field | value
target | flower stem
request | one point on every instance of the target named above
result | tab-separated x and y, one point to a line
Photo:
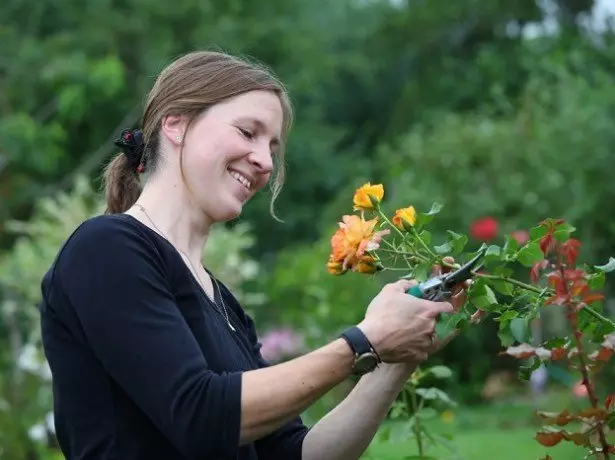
420	240
412	408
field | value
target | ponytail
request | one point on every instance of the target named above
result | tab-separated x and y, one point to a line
121	177
122	185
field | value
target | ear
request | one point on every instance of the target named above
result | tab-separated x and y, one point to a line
174	128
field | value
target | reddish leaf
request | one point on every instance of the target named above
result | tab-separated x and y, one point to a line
525	350
555	418
536	268
556	281
609	401
558	353
591	298
579	287
596	414
604	354
570	250
549	439
557	300
547	243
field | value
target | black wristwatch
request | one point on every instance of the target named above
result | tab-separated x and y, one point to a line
366	359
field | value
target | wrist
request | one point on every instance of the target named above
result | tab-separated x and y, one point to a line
372	334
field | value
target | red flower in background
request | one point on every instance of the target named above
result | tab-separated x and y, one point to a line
521	236
484	229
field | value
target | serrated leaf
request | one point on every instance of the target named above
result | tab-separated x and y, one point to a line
502	287
530	254
483	297
608	267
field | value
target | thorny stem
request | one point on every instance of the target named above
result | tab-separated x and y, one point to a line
412	407
591	394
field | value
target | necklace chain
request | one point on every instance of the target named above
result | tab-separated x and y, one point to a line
215	285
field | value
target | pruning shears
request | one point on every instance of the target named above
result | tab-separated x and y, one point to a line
440	287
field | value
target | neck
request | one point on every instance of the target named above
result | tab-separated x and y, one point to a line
170	210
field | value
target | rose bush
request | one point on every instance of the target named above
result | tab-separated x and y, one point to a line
558	280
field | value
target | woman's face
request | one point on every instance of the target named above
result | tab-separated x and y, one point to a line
228	152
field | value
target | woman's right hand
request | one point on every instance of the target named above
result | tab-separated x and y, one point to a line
399	326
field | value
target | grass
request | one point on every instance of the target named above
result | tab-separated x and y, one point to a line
503	431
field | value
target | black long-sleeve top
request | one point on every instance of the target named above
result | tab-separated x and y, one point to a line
144	367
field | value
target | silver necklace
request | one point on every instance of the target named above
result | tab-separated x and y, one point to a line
196	273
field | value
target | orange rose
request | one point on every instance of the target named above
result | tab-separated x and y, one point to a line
368	196
368	265
352	240
405	218
334	267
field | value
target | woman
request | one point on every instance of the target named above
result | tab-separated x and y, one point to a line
152	357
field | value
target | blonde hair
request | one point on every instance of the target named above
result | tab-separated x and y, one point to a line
189	86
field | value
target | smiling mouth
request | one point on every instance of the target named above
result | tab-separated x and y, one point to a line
240	178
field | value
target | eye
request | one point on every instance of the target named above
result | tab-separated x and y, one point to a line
245	133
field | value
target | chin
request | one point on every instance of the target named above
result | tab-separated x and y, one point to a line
227	213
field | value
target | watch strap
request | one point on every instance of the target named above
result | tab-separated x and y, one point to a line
358	341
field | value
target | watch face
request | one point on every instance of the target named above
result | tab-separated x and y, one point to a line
365	363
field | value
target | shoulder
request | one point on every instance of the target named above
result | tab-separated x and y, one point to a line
107	241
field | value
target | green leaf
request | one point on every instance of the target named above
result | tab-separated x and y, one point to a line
440	372
426	413
608	267
510	248
563	231
526	371
483	297
530	254
502	287
520	329
426	237
447	323
538	232
433	394
493	254
596	281
422	271
444	248
424	218
458	241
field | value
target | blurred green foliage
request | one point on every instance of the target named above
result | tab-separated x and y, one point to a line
440	101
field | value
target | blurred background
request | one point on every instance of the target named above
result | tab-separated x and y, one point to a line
504	111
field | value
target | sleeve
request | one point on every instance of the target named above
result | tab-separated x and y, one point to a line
286	443
116	281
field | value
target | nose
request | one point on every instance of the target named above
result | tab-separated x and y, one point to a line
262	159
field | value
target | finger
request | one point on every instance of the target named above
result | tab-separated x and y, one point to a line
437	308
436	270
402	285
448	260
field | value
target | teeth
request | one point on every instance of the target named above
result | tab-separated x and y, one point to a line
241	179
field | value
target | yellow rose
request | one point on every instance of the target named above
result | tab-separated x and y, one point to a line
405	218
368	196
